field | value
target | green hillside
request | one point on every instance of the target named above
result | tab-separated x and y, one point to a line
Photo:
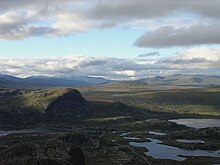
38	99
23	105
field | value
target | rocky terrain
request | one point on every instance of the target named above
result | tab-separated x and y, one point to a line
50	152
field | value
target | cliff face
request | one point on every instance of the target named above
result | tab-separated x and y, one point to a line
51	152
69	104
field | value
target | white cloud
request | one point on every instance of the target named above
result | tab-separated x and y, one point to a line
209	54
198	58
130	73
68	23
195	60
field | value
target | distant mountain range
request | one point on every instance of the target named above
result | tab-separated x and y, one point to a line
7	81
184	80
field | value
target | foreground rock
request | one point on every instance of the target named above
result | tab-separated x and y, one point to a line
52	152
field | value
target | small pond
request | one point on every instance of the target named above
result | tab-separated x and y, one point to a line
23	131
197	123
155	133
190	141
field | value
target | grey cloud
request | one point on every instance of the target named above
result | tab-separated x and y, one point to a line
19	30
188	61
190	65
119	10
17	26
31	4
97	14
112	64
149	54
168	36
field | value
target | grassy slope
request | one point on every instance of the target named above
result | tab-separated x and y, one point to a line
180	100
37	100
183	102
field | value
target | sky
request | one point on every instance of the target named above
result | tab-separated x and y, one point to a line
117	39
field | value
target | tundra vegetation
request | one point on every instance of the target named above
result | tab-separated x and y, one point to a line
92	122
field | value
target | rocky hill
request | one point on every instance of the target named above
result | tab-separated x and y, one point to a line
71	103
24	105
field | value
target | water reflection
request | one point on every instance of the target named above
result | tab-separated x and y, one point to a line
161	151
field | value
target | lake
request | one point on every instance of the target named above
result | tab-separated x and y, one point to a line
197	123
161	151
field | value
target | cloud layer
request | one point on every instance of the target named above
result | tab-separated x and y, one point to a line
195	60
26	18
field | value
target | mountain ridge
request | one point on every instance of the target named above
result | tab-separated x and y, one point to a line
7	81
182	80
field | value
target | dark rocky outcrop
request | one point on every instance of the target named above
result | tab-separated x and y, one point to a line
51	152
70	104
17	116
